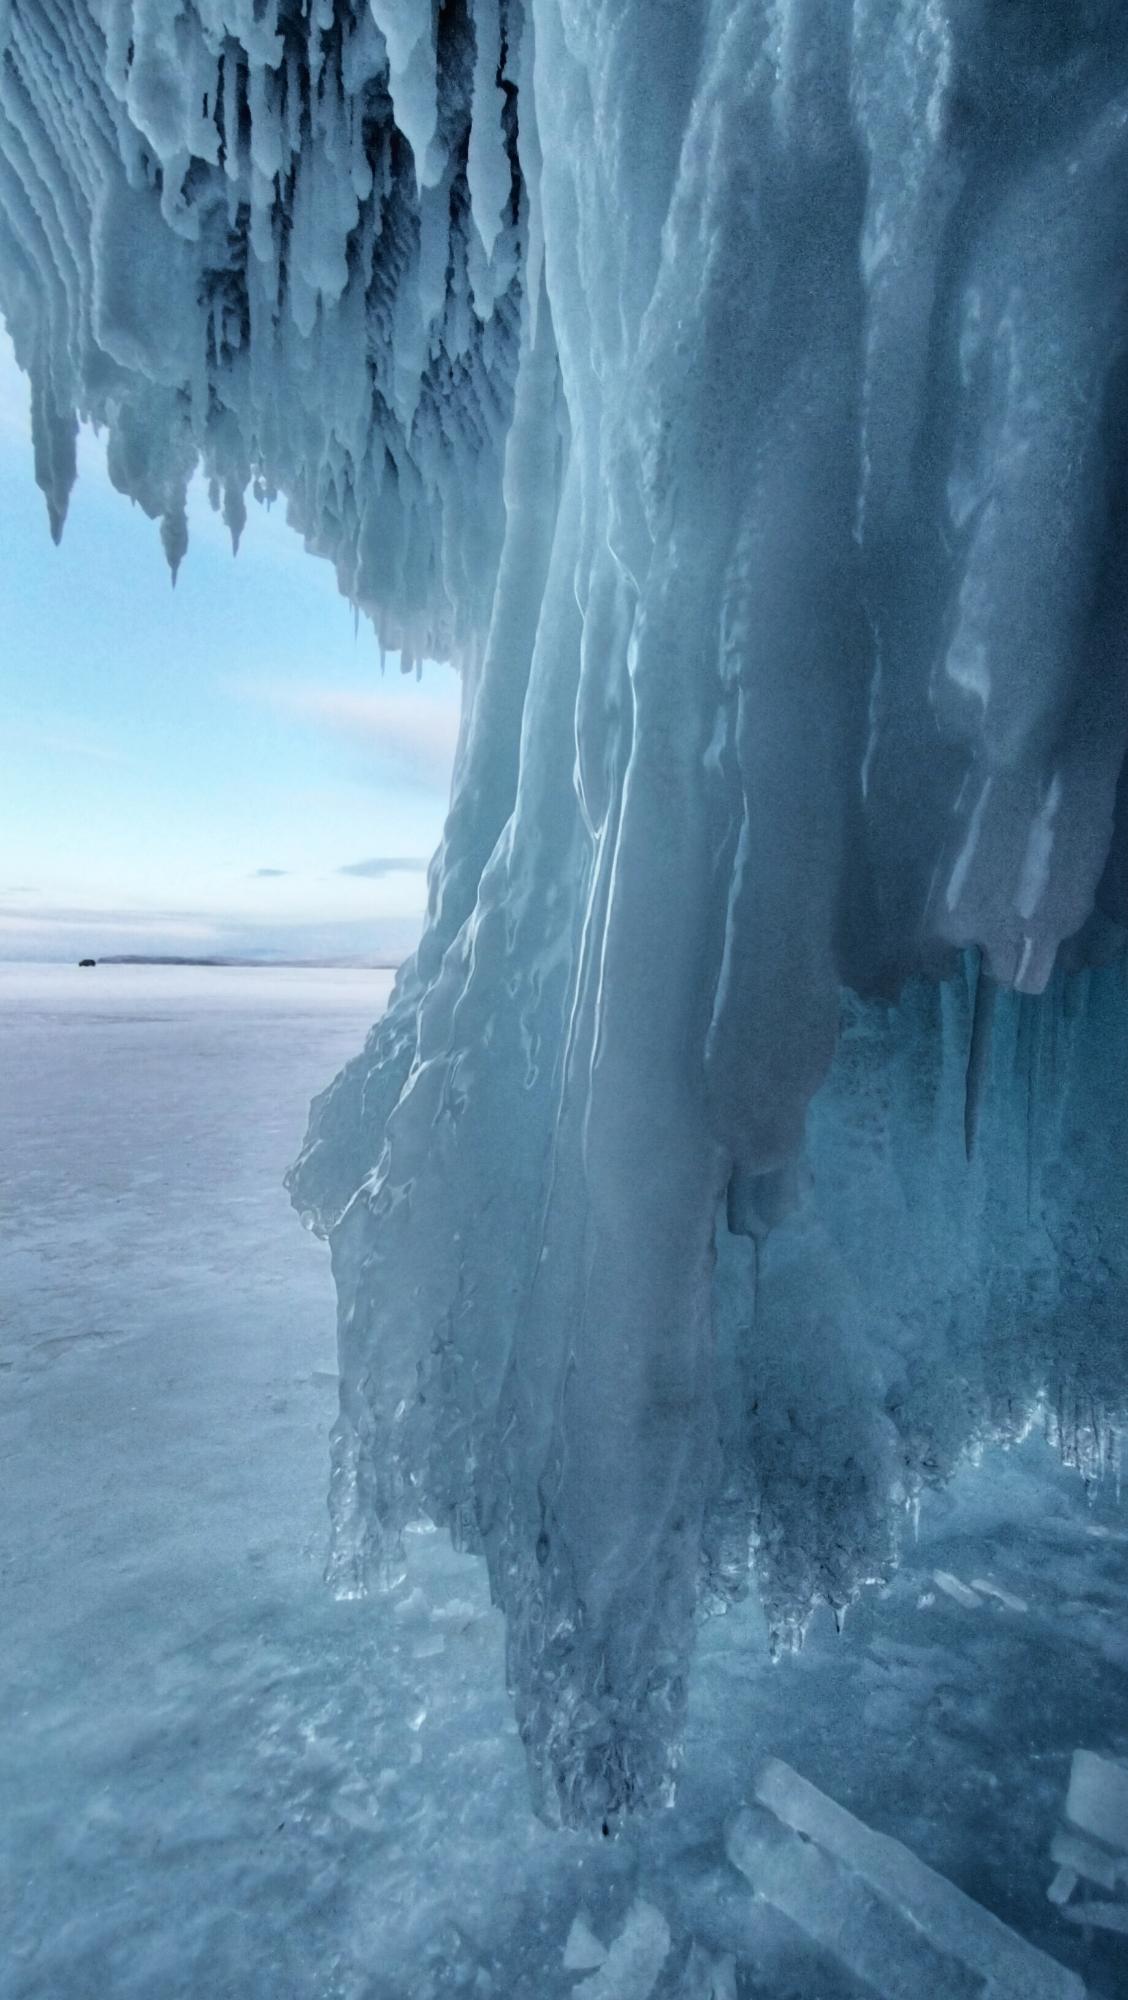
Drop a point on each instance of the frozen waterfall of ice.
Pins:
(735, 390)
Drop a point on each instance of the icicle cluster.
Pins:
(737, 392)
(218, 242)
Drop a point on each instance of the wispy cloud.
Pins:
(59, 738)
(151, 923)
(268, 874)
(412, 733)
(382, 865)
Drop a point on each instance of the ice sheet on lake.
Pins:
(742, 407)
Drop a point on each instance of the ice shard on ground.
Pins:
(736, 394)
(874, 1906)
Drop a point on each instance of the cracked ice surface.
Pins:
(740, 402)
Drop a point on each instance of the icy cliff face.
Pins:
(736, 392)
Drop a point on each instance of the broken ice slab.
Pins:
(631, 1967)
(582, 1949)
(1062, 1886)
(1083, 1857)
(1006, 1598)
(1097, 1800)
(842, 1915)
(952, 1587)
(1100, 1916)
(708, 1976)
(890, 1919)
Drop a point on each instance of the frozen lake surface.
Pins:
(216, 1781)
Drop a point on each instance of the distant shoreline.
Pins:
(246, 964)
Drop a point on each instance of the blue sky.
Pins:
(215, 768)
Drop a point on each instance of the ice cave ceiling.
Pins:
(736, 391)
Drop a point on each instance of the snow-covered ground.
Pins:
(216, 1781)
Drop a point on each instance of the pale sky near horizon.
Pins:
(216, 769)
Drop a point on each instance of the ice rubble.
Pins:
(1093, 1845)
(736, 393)
(897, 1925)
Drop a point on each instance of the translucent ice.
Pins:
(892, 1920)
(631, 1967)
(1077, 1856)
(960, 1592)
(582, 1949)
(741, 405)
(1097, 1801)
(1099, 1916)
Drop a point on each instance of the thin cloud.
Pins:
(56, 933)
(160, 923)
(382, 865)
(62, 739)
(267, 874)
(411, 733)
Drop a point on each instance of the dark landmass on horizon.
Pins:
(260, 964)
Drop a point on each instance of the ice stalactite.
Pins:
(736, 394)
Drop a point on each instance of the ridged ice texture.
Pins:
(215, 242)
(736, 390)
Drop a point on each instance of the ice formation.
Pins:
(1093, 1846)
(735, 391)
(895, 1923)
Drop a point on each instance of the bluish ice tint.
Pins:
(736, 394)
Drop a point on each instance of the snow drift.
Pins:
(736, 393)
